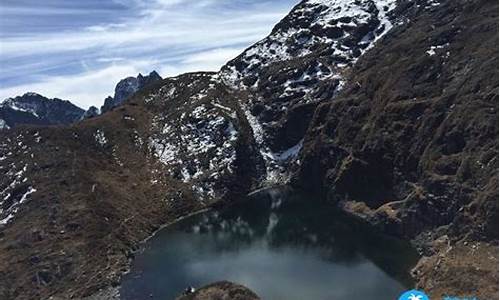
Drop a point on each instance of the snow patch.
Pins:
(100, 138)
(197, 147)
(3, 124)
(432, 49)
(13, 209)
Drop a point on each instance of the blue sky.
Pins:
(78, 50)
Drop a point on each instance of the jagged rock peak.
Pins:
(127, 87)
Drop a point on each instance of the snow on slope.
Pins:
(194, 132)
(342, 29)
(196, 126)
(23, 107)
(301, 62)
(15, 186)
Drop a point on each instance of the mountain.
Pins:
(388, 109)
(36, 109)
(127, 87)
(91, 112)
(299, 65)
(410, 145)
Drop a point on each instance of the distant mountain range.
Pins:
(35, 109)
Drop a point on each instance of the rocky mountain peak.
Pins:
(127, 87)
(33, 108)
(91, 113)
(300, 64)
(335, 29)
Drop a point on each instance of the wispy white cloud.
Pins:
(218, 56)
(172, 36)
(210, 60)
(83, 89)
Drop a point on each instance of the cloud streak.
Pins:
(83, 62)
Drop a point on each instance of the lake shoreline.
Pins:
(218, 222)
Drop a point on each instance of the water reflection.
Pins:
(280, 243)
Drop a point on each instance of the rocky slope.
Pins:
(297, 66)
(388, 108)
(35, 109)
(80, 198)
(411, 144)
(75, 202)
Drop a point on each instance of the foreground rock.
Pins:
(221, 291)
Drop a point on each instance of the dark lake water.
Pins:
(283, 245)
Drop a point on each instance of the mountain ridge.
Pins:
(33, 108)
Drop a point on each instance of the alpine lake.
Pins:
(282, 244)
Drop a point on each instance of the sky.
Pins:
(79, 49)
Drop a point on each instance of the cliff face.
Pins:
(300, 64)
(416, 128)
(127, 87)
(411, 144)
(388, 108)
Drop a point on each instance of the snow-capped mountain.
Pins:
(273, 86)
(32, 108)
(127, 87)
(337, 30)
(300, 64)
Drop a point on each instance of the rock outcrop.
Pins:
(220, 291)
(127, 87)
(300, 64)
(92, 112)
